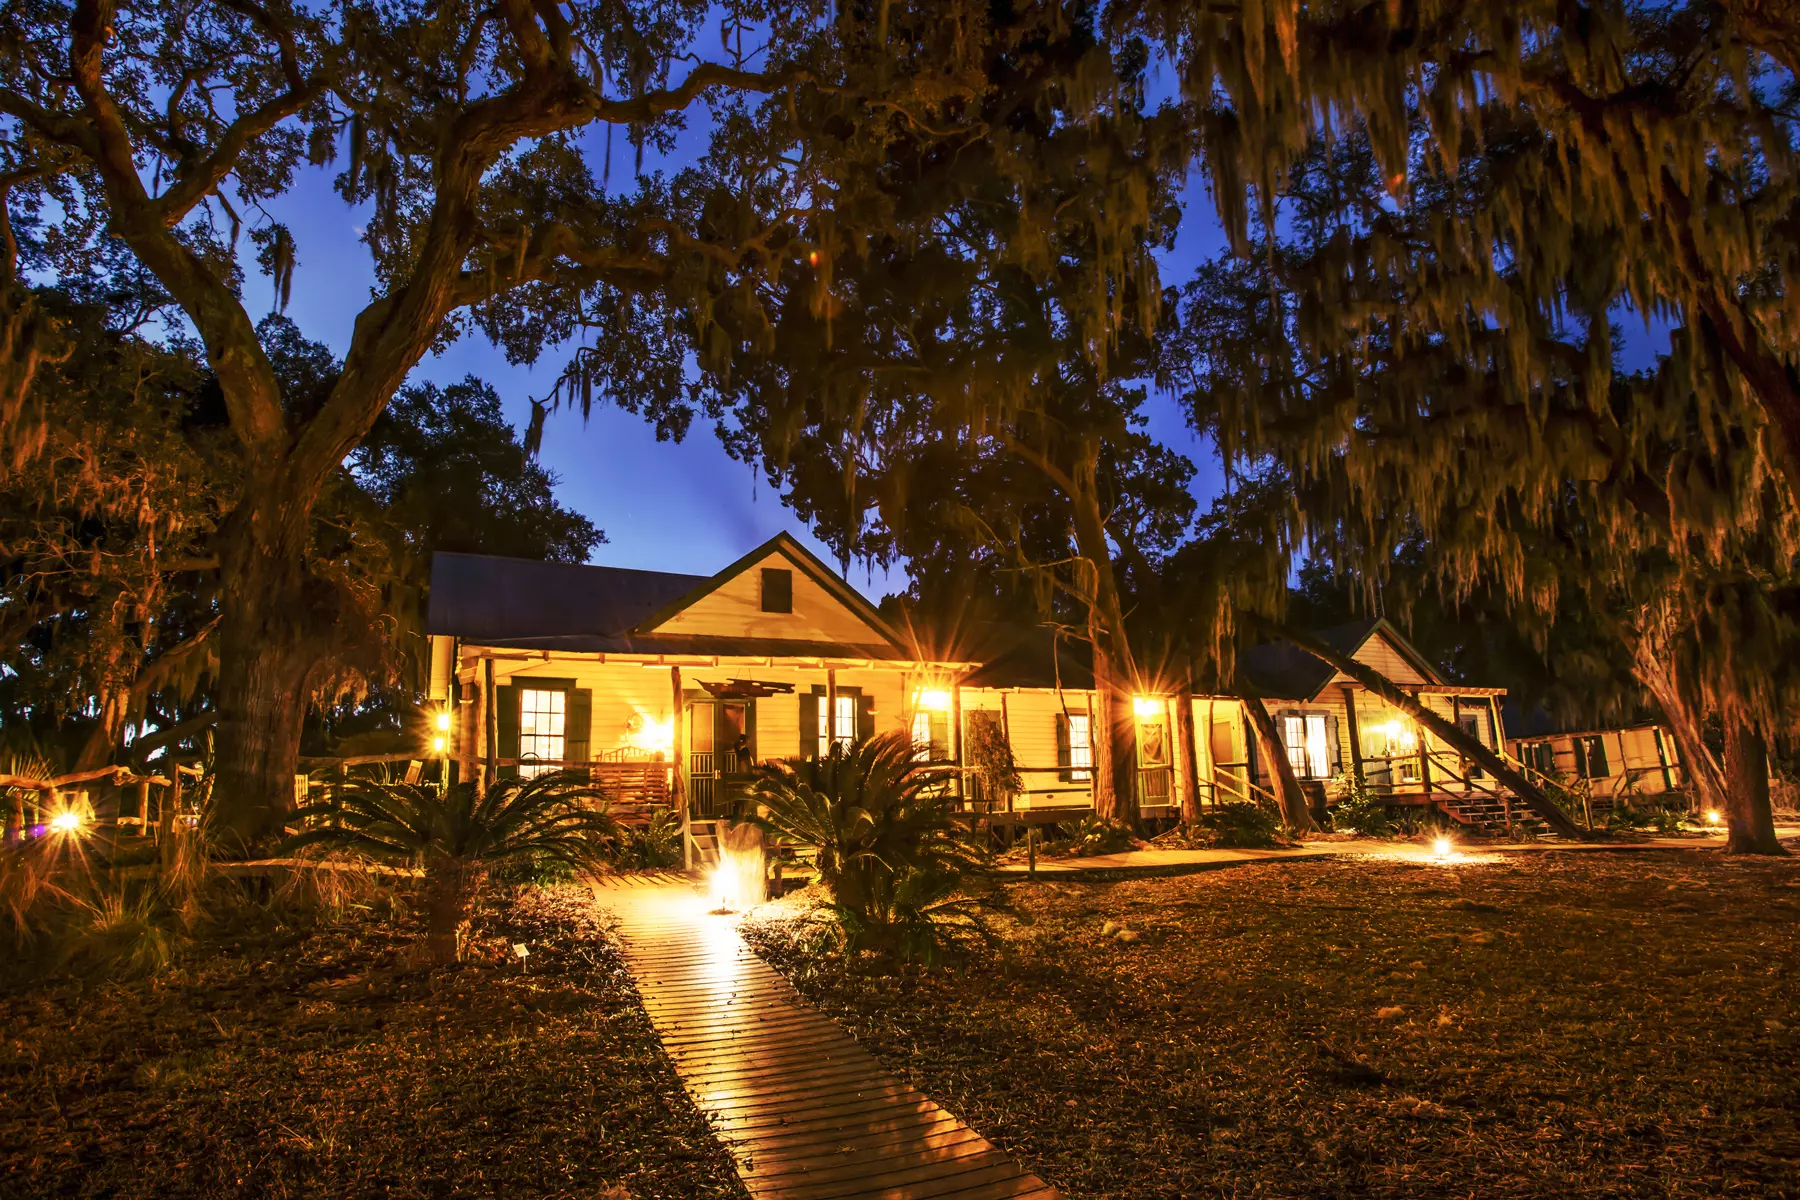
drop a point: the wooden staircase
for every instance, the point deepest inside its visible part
(1485, 814)
(704, 836)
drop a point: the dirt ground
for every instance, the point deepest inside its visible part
(1532, 1025)
(279, 1061)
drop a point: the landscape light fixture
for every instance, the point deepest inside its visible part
(1441, 847)
(1712, 816)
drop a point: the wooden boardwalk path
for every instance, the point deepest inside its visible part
(806, 1112)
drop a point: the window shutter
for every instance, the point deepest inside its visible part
(578, 725)
(865, 718)
(1065, 760)
(1597, 758)
(506, 725)
(1331, 740)
(809, 724)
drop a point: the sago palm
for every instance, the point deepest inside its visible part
(459, 835)
(883, 827)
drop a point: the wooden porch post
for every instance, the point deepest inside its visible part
(490, 728)
(678, 792)
(1187, 751)
(956, 739)
(830, 709)
(1424, 753)
(1353, 731)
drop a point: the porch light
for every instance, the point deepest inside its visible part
(648, 735)
(438, 744)
(1146, 706)
(934, 700)
(66, 821)
(443, 721)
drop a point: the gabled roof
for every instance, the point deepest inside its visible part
(523, 603)
(786, 544)
(1283, 671)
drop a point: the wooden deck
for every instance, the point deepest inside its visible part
(805, 1111)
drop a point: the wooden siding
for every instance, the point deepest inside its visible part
(622, 690)
(1381, 654)
(1631, 754)
(1031, 728)
(734, 609)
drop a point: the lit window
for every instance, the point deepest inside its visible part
(1081, 747)
(921, 736)
(840, 732)
(541, 729)
(1307, 744)
(930, 736)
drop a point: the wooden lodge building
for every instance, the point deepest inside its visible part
(672, 687)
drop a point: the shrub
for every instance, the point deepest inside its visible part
(1360, 811)
(120, 936)
(654, 846)
(883, 832)
(460, 835)
(1091, 835)
(1240, 825)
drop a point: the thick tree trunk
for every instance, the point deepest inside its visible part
(1449, 734)
(1106, 794)
(451, 886)
(1294, 811)
(1749, 817)
(268, 651)
(1187, 762)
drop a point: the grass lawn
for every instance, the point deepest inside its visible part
(281, 1061)
(1539, 1025)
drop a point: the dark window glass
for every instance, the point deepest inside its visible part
(777, 590)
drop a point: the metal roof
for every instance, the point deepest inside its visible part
(487, 598)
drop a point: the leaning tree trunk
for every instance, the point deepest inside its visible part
(1296, 814)
(1451, 735)
(268, 649)
(1749, 816)
(1701, 770)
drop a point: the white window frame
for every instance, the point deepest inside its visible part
(1081, 747)
(1306, 737)
(543, 728)
(846, 723)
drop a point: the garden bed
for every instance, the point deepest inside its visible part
(283, 1060)
(1526, 1025)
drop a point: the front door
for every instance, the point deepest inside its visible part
(721, 754)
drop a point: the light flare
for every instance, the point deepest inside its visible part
(67, 821)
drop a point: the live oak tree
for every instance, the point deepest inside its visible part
(966, 388)
(1635, 155)
(1648, 497)
(468, 140)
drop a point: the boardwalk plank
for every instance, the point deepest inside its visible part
(806, 1113)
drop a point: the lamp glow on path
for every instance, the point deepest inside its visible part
(1442, 847)
(1712, 816)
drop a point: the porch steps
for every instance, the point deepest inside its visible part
(1487, 815)
(705, 835)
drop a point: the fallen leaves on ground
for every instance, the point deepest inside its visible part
(310, 1061)
(1571, 1024)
